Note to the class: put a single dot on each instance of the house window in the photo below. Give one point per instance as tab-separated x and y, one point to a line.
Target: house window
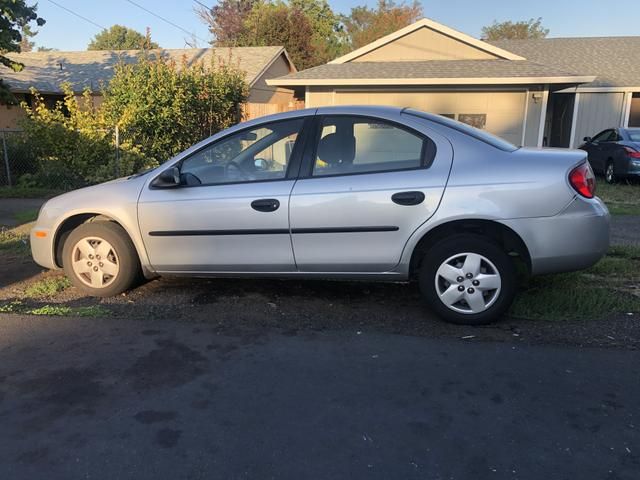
477	120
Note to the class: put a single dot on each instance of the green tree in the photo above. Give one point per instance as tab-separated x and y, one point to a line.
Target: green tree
365	25
509	30
280	24
119	37
308	29
15	15
327	38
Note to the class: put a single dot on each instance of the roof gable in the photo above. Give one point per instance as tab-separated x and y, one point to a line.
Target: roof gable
427	40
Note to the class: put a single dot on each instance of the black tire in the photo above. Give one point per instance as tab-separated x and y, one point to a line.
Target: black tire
124	252
468	243
609	173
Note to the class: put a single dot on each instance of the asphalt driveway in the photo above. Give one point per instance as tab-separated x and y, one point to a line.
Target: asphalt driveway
92	398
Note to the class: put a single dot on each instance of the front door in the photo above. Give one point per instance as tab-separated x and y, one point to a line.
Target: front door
231	211
367	185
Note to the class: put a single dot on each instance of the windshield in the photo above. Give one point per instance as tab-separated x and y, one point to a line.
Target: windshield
634	135
481	135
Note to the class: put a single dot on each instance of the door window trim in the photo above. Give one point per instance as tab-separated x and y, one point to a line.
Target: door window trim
293	165
313	140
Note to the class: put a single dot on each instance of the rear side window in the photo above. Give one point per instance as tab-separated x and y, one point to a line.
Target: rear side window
349	145
481	135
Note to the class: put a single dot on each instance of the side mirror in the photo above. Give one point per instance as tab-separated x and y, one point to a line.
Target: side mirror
587	139
169	178
260	164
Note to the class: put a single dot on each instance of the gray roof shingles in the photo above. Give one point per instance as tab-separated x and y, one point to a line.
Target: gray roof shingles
615	61
431	69
45	71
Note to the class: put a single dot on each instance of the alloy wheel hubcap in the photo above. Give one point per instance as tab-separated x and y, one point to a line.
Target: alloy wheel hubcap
468	283
95	262
610	172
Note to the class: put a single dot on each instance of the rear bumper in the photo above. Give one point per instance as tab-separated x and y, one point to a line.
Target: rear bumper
573	240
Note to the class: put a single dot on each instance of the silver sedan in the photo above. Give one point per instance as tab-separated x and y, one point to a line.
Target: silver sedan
353	193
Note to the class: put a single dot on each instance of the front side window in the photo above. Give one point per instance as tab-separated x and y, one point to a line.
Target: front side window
603	136
262	153
361	145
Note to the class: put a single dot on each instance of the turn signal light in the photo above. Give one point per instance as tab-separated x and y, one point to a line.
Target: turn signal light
40	234
583	180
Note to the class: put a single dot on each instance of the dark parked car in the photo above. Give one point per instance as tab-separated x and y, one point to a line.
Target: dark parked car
615	153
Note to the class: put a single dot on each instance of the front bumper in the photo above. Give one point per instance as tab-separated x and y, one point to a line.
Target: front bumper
573	240
42	247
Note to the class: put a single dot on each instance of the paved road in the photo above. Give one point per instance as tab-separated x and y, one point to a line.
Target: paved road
89	398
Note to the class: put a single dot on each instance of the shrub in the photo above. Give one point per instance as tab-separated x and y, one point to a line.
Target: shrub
158	108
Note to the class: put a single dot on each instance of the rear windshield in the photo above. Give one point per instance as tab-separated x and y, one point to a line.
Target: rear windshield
481	135
634	135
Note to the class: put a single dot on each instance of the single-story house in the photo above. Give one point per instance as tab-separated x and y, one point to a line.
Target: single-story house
531	92
46	71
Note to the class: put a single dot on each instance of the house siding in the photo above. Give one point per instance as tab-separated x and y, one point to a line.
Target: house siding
263	93
422	45
596	112
505	110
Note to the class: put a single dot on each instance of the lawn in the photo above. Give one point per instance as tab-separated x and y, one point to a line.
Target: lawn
612	286
621	198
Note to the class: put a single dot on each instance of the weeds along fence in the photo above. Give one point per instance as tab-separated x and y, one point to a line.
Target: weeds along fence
64	160
69	161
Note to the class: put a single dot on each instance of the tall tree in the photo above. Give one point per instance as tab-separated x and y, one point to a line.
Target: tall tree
509	30
365	25
119	37
280	24
15	15
26	44
226	20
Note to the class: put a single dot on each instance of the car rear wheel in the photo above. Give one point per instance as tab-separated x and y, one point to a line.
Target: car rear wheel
609	173
100	259
468	279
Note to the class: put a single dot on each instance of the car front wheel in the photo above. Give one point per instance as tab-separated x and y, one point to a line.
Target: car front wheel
609	173
100	259
468	279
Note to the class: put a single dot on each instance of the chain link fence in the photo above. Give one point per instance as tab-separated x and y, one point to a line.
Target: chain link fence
68	164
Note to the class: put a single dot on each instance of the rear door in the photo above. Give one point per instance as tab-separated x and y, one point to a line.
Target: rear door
366	184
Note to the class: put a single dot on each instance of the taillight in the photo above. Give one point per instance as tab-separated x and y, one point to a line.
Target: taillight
582	180
631	153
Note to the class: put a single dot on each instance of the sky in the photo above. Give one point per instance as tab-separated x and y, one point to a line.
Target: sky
564	18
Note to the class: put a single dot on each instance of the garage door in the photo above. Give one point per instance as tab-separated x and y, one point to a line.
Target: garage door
501	113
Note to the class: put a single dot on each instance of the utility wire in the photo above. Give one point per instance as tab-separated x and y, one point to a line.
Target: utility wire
202	4
77	15
191	34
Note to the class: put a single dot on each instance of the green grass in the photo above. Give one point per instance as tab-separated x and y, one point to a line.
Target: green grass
26	216
621	198
47	287
28	192
612	286
55	310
